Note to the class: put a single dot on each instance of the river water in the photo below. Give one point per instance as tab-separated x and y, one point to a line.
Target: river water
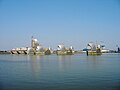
52	72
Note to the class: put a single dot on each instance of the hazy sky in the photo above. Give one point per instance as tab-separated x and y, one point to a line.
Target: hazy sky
52	22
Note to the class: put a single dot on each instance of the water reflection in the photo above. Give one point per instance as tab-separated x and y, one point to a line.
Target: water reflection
34	57
93	61
34	65
64	62
31	72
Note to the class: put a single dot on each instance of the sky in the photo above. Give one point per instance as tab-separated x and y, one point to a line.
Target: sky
53	22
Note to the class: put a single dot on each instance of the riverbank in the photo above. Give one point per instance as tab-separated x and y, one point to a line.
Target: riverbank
5	52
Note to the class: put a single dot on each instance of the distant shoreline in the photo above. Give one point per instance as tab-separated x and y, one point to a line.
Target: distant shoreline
76	52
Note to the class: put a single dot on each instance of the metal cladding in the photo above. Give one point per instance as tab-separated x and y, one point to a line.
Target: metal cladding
93	46
34	43
61	47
